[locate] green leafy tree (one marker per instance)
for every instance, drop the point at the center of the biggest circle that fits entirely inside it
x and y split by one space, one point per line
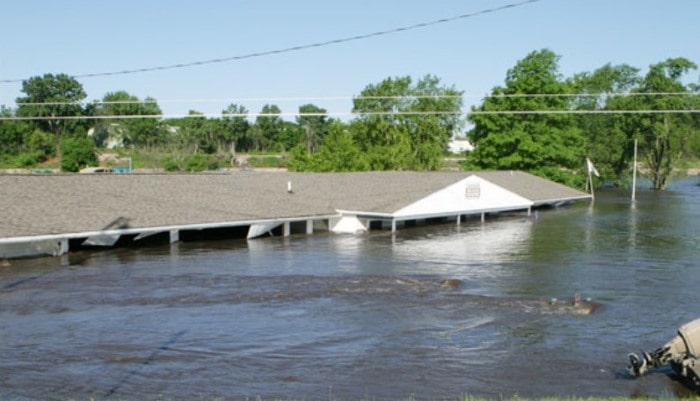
607 142
406 126
170 164
13 134
236 128
135 131
290 136
77 152
268 127
201 162
256 138
41 144
693 148
663 137
176 137
21 144
314 124
512 132
199 132
52 98
339 152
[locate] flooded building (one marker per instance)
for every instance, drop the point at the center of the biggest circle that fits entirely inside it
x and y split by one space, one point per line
54 214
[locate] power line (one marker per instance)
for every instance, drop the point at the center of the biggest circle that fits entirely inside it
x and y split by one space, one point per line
333 98
351 114
300 47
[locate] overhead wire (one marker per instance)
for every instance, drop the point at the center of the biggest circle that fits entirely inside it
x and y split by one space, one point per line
361 97
299 47
474 111
326 43
349 114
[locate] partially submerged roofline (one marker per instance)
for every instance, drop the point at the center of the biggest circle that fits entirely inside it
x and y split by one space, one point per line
554 202
395 217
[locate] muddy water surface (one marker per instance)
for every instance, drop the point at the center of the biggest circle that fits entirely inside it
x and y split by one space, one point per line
364 317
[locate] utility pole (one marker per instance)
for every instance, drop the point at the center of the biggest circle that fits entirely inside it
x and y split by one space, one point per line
634 172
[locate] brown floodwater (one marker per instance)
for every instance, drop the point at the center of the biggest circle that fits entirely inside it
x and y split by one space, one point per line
429 313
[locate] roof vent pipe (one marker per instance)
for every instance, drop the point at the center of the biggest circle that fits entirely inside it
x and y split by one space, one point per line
289 187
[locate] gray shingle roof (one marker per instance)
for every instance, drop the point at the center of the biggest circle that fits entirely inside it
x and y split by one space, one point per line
537 189
44 205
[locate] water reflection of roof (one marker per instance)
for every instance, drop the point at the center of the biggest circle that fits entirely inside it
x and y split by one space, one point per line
46 205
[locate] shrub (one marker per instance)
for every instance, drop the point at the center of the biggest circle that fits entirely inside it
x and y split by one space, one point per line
28 159
170 164
267 161
43 143
201 162
76 153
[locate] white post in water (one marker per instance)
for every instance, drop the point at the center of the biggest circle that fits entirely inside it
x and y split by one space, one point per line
591 170
634 173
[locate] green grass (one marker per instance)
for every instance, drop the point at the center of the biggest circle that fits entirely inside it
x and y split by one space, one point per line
689 163
267 161
141 158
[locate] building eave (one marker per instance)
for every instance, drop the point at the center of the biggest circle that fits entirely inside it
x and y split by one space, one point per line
159 229
464 212
556 201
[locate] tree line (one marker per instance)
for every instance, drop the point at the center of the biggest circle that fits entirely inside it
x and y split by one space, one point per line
537 121
604 112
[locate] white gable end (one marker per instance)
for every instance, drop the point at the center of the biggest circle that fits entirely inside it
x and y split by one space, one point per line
470 195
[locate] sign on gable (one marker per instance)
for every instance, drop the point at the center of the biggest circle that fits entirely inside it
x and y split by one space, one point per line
473 191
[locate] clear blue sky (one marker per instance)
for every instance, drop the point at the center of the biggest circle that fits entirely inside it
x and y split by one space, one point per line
473 54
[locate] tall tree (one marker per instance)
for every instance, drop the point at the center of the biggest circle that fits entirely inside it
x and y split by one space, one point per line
512 129
199 132
142 131
663 136
406 126
313 122
77 152
339 152
267 129
13 134
236 127
607 142
52 98
290 136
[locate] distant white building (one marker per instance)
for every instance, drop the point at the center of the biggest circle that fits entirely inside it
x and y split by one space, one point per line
459 145
108 136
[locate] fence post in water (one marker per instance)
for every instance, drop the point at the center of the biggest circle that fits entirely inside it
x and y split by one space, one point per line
62 247
634 173
174 236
